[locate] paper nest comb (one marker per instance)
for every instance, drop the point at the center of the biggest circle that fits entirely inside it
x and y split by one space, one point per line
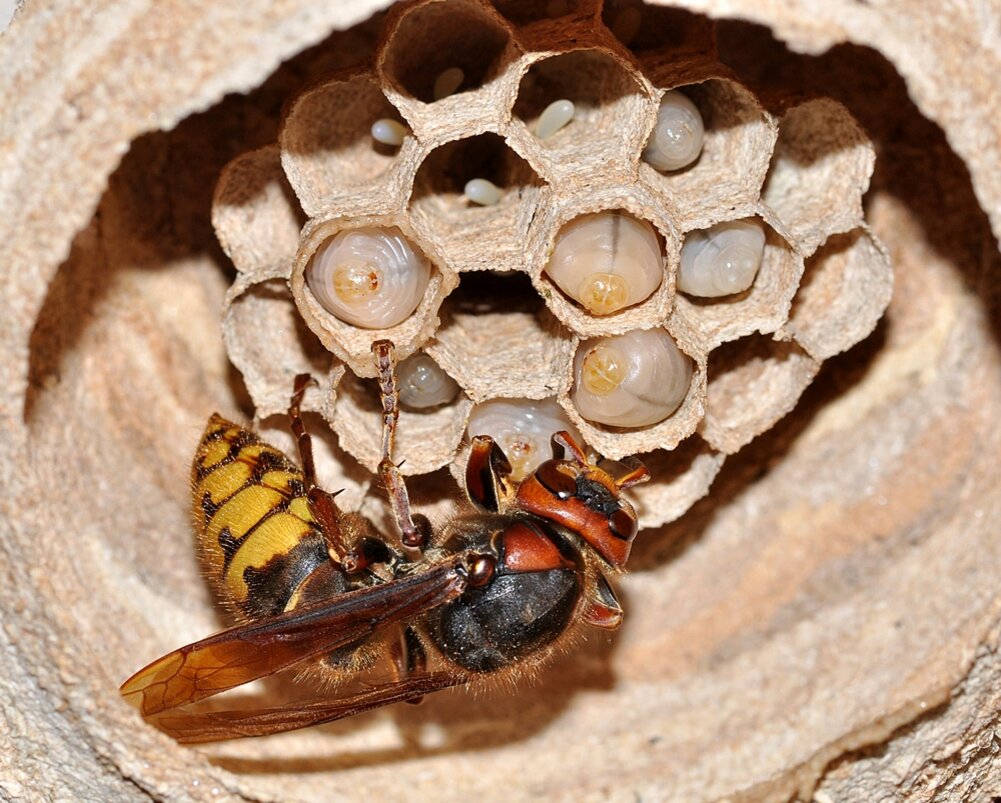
823 283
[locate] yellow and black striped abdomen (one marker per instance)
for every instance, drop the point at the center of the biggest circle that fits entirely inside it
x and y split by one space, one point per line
258 540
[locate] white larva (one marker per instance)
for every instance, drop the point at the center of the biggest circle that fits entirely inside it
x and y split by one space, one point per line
721 260
554 117
522 428
631 380
606 261
389 132
677 137
483 192
424 384
369 277
447 82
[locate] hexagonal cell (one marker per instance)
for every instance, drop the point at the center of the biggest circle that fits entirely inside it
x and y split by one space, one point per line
763 308
329 154
431 37
441 209
425 440
678 479
571 204
845 291
820 170
612 109
269 344
738 142
498 339
350 343
651 30
255 213
753 382
618 442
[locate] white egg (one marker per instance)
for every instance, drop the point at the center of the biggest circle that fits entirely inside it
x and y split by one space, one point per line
677 137
607 261
631 380
369 277
721 260
389 131
522 428
447 82
554 117
483 192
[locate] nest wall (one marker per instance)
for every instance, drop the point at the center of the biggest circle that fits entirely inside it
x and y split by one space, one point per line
835 590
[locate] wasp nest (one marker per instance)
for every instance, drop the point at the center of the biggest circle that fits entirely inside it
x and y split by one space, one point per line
687 259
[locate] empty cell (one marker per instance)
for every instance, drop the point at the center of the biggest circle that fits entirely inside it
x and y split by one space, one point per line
269 343
753 382
525 12
819 171
845 290
255 212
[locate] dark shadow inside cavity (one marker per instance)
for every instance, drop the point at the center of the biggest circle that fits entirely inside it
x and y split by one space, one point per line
525 12
439 36
443 175
743 353
648 29
592 80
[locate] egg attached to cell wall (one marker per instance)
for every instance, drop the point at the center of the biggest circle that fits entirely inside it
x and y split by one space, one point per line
369 277
633 380
606 261
522 428
721 260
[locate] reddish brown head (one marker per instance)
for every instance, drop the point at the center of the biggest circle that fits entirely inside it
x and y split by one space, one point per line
568 490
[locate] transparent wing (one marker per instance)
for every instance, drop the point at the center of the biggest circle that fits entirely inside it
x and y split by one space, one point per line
249 652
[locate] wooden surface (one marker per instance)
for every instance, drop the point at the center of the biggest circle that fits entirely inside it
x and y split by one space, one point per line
825 623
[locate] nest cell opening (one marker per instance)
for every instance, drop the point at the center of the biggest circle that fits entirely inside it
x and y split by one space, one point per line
846 288
327 144
820 169
608 102
436 37
497 334
269 343
441 203
762 307
752 383
736 148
